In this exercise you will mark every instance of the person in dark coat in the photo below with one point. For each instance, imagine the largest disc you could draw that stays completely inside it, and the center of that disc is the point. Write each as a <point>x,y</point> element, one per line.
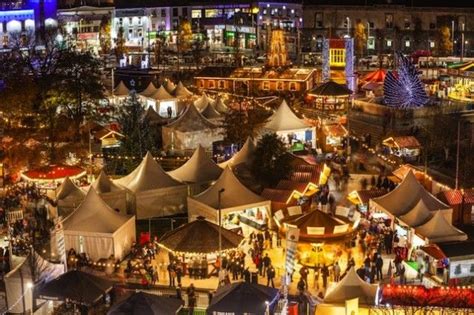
<point>247,275</point>
<point>191,292</point>
<point>270,276</point>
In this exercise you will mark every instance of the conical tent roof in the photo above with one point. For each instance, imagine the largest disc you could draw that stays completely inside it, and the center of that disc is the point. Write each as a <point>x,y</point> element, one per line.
<point>284,119</point>
<point>203,101</point>
<point>77,286</point>
<point>200,236</point>
<point>147,176</point>
<point>438,229</point>
<point>210,112</point>
<point>68,189</point>
<point>94,215</point>
<point>245,155</point>
<point>103,184</point>
<point>169,86</point>
<point>235,194</point>
<point>242,298</point>
<point>418,215</point>
<point>220,106</point>
<point>121,89</point>
<point>153,117</point>
<point>191,120</point>
<point>161,94</point>
<point>350,287</point>
<point>199,168</point>
<point>406,195</point>
<point>181,91</point>
<point>149,91</point>
<point>141,303</point>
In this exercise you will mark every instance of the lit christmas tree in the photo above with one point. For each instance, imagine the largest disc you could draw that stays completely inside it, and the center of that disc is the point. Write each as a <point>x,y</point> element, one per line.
<point>404,89</point>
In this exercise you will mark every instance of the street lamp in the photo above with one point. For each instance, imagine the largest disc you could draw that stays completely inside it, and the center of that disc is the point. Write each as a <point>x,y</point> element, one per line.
<point>348,20</point>
<point>219,193</point>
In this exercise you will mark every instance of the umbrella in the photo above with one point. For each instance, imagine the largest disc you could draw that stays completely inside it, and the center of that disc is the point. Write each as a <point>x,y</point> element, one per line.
<point>77,286</point>
<point>141,303</point>
<point>243,297</point>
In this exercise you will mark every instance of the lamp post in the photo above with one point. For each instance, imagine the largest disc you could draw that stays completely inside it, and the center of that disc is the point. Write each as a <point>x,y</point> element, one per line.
<point>219,193</point>
<point>462,42</point>
<point>452,34</point>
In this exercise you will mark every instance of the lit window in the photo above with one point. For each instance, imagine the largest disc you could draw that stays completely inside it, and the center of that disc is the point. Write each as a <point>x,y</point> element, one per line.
<point>389,43</point>
<point>266,85</point>
<point>280,86</point>
<point>221,84</point>
<point>212,84</point>
<point>211,13</point>
<point>292,86</point>
<point>432,44</point>
<point>407,43</point>
<point>196,14</point>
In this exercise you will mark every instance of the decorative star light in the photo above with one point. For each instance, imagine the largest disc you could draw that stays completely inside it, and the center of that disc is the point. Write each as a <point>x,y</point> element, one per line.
<point>404,89</point>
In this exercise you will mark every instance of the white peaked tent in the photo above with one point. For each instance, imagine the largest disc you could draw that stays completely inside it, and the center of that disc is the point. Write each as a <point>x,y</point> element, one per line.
<point>203,101</point>
<point>68,196</point>
<point>243,156</point>
<point>156,193</point>
<point>438,230</point>
<point>121,90</point>
<point>161,94</point>
<point>405,197</point>
<point>98,230</point>
<point>189,130</point>
<point>169,86</point>
<point>284,123</point>
<point>235,198</point>
<point>220,106</point>
<point>198,169</point>
<point>149,91</point>
<point>418,215</point>
<point>350,287</point>
<point>114,195</point>
<point>34,270</point>
<point>181,91</point>
<point>211,113</point>
<point>164,100</point>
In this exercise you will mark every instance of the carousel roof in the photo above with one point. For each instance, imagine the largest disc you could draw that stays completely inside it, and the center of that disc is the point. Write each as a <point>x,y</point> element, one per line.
<point>121,89</point>
<point>68,189</point>
<point>235,194</point>
<point>210,112</point>
<point>350,287</point>
<point>203,101</point>
<point>149,91</point>
<point>200,236</point>
<point>169,86</point>
<point>316,219</point>
<point>147,176</point>
<point>103,184</point>
<point>331,88</point>
<point>181,91</point>
<point>53,173</point>
<point>285,119</point>
<point>199,168</point>
<point>161,94</point>
<point>191,120</point>
<point>377,76</point>
<point>244,155</point>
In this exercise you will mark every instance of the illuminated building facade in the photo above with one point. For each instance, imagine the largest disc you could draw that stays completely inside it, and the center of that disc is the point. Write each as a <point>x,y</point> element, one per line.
<point>25,16</point>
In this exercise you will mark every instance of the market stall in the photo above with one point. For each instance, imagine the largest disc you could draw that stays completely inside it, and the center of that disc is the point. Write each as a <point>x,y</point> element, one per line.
<point>239,206</point>
<point>48,177</point>
<point>243,156</point>
<point>98,230</point>
<point>290,127</point>
<point>332,137</point>
<point>155,193</point>
<point>165,103</point>
<point>189,130</point>
<point>115,196</point>
<point>181,92</point>
<point>68,197</point>
<point>406,147</point>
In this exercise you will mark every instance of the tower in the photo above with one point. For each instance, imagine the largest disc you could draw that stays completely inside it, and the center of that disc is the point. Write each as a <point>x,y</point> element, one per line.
<point>277,54</point>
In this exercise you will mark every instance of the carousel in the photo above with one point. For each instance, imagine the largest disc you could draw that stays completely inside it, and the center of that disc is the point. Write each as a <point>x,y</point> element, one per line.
<point>323,237</point>
<point>49,177</point>
<point>330,97</point>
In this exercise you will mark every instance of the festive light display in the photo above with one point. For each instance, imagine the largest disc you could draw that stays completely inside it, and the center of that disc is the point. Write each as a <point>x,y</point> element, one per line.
<point>404,89</point>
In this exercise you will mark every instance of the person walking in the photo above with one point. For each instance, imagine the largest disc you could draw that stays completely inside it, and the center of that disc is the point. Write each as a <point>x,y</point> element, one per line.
<point>304,274</point>
<point>247,275</point>
<point>191,292</point>
<point>301,286</point>
<point>325,274</point>
<point>337,272</point>
<point>378,267</point>
<point>171,274</point>
<point>266,263</point>
<point>179,273</point>
<point>270,276</point>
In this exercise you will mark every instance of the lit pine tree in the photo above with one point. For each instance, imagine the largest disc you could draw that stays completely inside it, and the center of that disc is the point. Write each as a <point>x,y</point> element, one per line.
<point>404,89</point>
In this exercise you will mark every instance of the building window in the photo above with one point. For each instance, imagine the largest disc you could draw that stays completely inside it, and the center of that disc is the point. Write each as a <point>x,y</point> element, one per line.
<point>371,42</point>
<point>407,43</point>
<point>432,44</point>
<point>389,42</point>
<point>221,84</point>
<point>280,86</point>
<point>211,13</point>
<point>318,19</point>
<point>292,86</point>
<point>264,11</point>
<point>184,12</point>
<point>163,13</point>
<point>372,25</point>
<point>201,84</point>
<point>175,11</point>
<point>266,86</point>
<point>212,84</point>
<point>120,21</point>
<point>196,14</point>
<point>407,24</point>
<point>432,26</point>
<point>130,21</point>
<point>139,20</point>
<point>389,20</point>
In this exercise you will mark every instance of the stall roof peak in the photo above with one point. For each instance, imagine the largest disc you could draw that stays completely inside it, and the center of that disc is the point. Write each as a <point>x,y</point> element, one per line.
<point>199,168</point>
<point>285,119</point>
<point>191,120</point>
<point>69,189</point>
<point>103,184</point>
